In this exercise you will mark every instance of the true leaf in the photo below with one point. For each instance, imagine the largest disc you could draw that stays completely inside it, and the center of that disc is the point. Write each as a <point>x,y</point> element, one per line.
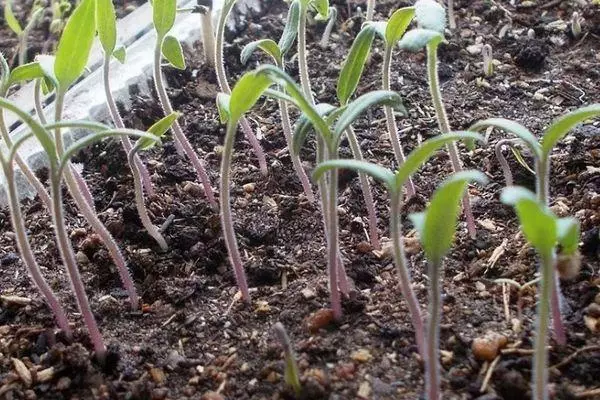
<point>223,101</point>
<point>291,28</point>
<point>163,15</point>
<point>322,7</point>
<point>75,44</point>
<point>425,151</point>
<point>120,54</point>
<point>437,225</point>
<point>10,18</point>
<point>537,222</point>
<point>416,39</point>
<point>266,45</point>
<point>397,24</point>
<point>158,129</point>
<point>26,72</point>
<point>512,127</point>
<point>568,235</point>
<point>379,27</point>
<point>376,171</point>
<point>305,125</point>
<point>358,106</point>
<point>106,25</point>
<point>354,64</point>
<point>564,124</point>
<point>172,51</point>
<point>430,15</point>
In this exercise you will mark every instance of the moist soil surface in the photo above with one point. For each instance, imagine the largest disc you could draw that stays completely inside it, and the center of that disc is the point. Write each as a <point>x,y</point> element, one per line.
<point>193,335</point>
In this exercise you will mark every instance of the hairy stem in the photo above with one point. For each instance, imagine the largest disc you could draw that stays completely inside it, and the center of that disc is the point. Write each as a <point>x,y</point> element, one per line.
<point>118,121</point>
<point>444,125</point>
<point>328,28</point>
<point>332,246</point>
<point>139,201</point>
<point>302,54</point>
<point>365,186</point>
<point>178,134</point>
<point>540,358</point>
<point>225,88</point>
<point>391,119</point>
<point>208,36</point>
<point>451,17</point>
<point>89,213</point>
<point>18,223</point>
<point>404,274</point>
<point>226,217</point>
<point>432,365</point>
<point>66,252</point>
<point>370,9</point>
<point>23,166</point>
<point>508,176</point>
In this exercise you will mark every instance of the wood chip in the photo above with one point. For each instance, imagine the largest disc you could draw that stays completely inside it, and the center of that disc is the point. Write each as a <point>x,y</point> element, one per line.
<point>23,372</point>
<point>15,300</point>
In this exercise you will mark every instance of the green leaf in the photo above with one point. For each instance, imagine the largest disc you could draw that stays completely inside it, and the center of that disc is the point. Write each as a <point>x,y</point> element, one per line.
<point>172,51</point>
<point>246,93</point>
<point>106,25</point>
<point>158,129</point>
<point>322,7</point>
<point>419,156</point>
<point>266,45</point>
<point>26,72</point>
<point>223,101</point>
<point>75,44</point>
<point>10,18</point>
<point>564,124</point>
<point>437,225</point>
<point>384,175</point>
<point>163,16</point>
<point>354,64</point>
<point>397,24</point>
<point>538,224</point>
<point>358,106</point>
<point>379,27</point>
<point>416,39</point>
<point>291,28</point>
<point>430,15</point>
<point>120,54</point>
<point>47,64</point>
<point>304,126</point>
<point>512,127</point>
<point>568,232</point>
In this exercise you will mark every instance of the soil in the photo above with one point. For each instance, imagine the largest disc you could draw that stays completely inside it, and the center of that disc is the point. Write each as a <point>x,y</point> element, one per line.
<point>194,338</point>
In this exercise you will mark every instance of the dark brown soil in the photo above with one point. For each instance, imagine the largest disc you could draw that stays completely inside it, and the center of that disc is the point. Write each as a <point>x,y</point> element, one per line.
<point>192,336</point>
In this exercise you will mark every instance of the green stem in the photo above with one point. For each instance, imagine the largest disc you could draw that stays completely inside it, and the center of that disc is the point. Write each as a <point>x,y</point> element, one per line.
<point>83,204</point>
<point>444,125</point>
<point>403,272</point>
<point>302,54</point>
<point>432,376</point>
<point>370,9</point>
<point>540,358</point>
<point>225,88</point>
<point>391,119</point>
<point>208,36</point>
<point>180,138</point>
<point>332,245</point>
<point>226,217</point>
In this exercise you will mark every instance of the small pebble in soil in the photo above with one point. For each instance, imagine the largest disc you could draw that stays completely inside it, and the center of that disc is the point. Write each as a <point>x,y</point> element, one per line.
<point>319,320</point>
<point>212,396</point>
<point>487,347</point>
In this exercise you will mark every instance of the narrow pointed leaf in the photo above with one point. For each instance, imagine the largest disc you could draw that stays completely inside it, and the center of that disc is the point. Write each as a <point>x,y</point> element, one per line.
<point>397,24</point>
<point>358,106</point>
<point>437,225</point>
<point>223,101</point>
<point>430,15</point>
<point>163,15</point>
<point>564,124</point>
<point>419,156</point>
<point>537,222</point>
<point>305,125</point>
<point>47,65</point>
<point>172,51</point>
<point>75,44</point>
<point>26,72</point>
<point>106,25</point>
<point>354,64</point>
<point>10,19</point>
<point>266,45</point>
<point>380,173</point>
<point>512,127</point>
<point>568,232</point>
<point>158,129</point>
<point>291,28</point>
<point>416,39</point>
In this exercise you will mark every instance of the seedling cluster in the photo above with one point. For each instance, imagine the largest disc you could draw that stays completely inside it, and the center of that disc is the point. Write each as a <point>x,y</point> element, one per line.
<point>552,237</point>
